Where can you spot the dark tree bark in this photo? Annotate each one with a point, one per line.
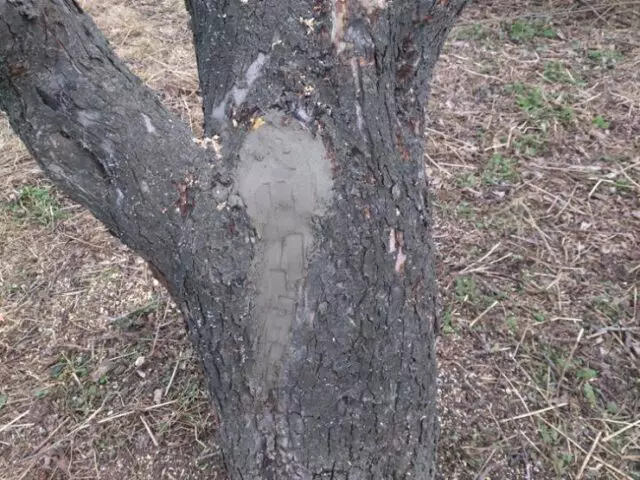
(298, 248)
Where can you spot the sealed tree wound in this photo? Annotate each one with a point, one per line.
(284, 178)
(301, 254)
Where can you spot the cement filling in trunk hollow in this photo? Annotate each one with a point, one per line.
(285, 179)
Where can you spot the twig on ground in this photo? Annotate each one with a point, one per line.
(15, 420)
(588, 457)
(148, 429)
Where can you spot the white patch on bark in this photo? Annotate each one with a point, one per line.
(303, 115)
(210, 143)
(371, 5)
(396, 244)
(360, 118)
(119, 198)
(253, 73)
(239, 95)
(355, 71)
(58, 173)
(87, 119)
(338, 17)
(108, 148)
(111, 162)
(356, 75)
(147, 123)
(255, 69)
(310, 23)
(400, 259)
(241, 89)
(218, 112)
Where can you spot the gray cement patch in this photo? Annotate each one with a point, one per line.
(284, 179)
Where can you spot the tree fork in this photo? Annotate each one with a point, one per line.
(300, 253)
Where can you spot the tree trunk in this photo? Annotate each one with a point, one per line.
(299, 246)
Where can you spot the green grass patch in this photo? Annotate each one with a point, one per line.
(466, 211)
(500, 170)
(555, 72)
(604, 58)
(539, 105)
(589, 394)
(623, 186)
(447, 323)
(466, 289)
(529, 99)
(586, 373)
(37, 204)
(562, 461)
(530, 144)
(523, 31)
(468, 180)
(473, 32)
(65, 368)
(538, 317)
(600, 122)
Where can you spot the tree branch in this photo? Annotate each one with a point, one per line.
(95, 129)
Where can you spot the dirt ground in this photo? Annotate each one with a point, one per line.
(533, 151)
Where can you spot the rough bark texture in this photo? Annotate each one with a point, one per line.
(301, 257)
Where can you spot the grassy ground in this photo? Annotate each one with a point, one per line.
(533, 151)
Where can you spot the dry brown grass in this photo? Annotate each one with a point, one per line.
(538, 228)
(537, 223)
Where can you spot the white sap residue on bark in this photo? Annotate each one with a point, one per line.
(147, 123)
(241, 89)
(218, 112)
(392, 241)
(400, 259)
(119, 198)
(58, 173)
(253, 73)
(302, 114)
(373, 5)
(108, 148)
(87, 119)
(355, 71)
(338, 14)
